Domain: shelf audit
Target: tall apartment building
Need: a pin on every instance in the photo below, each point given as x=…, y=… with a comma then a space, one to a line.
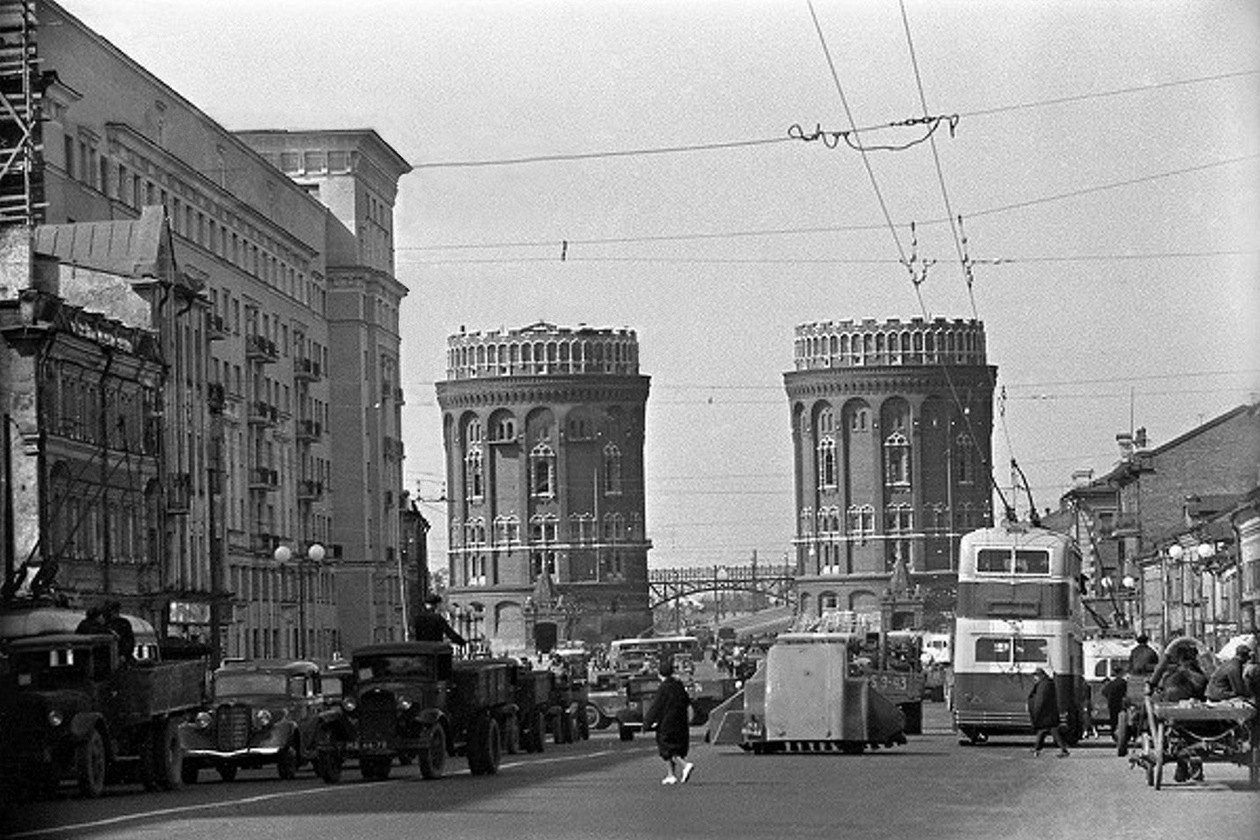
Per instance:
x=543, y=429
x=891, y=440
x=280, y=433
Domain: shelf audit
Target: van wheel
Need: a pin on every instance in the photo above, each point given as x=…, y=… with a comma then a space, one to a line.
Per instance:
x=89, y=759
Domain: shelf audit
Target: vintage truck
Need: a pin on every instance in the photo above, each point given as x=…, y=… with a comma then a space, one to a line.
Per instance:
x=261, y=712
x=413, y=700
x=72, y=708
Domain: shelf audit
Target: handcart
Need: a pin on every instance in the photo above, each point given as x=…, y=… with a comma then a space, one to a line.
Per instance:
x=1190, y=733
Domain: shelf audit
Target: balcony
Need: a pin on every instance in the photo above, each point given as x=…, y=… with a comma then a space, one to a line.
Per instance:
x=262, y=414
x=309, y=431
x=216, y=327
x=263, y=479
x=259, y=349
x=307, y=370
x=178, y=493
x=310, y=491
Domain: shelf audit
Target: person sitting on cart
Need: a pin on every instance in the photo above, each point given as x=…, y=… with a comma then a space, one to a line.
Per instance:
x=1143, y=658
x=1178, y=675
x=1227, y=680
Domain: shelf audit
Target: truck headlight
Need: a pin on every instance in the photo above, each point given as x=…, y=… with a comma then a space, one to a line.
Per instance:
x=348, y=704
x=262, y=717
x=55, y=718
x=403, y=704
x=204, y=720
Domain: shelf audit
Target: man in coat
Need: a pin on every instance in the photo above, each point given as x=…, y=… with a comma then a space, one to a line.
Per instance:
x=1043, y=712
x=670, y=716
x=1143, y=658
x=431, y=626
x=1227, y=680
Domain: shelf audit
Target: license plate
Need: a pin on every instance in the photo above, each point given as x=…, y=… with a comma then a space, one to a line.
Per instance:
x=369, y=746
x=886, y=683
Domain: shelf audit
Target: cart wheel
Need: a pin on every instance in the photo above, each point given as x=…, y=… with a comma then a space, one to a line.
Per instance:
x=1122, y=734
x=1254, y=775
x=1148, y=756
x=1160, y=737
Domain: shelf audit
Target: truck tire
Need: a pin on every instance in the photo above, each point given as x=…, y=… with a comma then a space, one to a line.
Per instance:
x=287, y=763
x=227, y=772
x=484, y=754
x=537, y=737
x=433, y=757
x=511, y=735
x=563, y=728
x=594, y=717
x=168, y=755
x=913, y=712
x=328, y=763
x=624, y=732
x=189, y=772
x=89, y=762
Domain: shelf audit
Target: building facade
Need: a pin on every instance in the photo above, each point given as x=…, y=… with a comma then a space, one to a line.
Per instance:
x=295, y=279
x=891, y=429
x=543, y=429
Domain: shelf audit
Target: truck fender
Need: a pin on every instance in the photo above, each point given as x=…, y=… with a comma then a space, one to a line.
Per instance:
x=83, y=723
x=334, y=726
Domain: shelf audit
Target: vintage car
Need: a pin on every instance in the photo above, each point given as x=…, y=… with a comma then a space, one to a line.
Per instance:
x=261, y=712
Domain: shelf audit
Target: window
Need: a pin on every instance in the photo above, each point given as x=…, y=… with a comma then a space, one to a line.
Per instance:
x=542, y=470
x=1020, y=561
x=826, y=463
x=861, y=521
x=964, y=459
x=897, y=460
x=612, y=470
x=582, y=527
x=474, y=474
x=544, y=528
x=1011, y=650
x=614, y=527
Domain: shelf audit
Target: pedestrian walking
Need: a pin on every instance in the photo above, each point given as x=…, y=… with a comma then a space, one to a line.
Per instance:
x=1043, y=712
x=670, y=716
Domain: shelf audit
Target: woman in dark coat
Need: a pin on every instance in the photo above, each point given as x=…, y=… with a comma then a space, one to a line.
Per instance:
x=670, y=716
x=1043, y=712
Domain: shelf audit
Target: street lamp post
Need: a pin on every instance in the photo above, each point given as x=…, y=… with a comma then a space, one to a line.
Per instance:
x=315, y=555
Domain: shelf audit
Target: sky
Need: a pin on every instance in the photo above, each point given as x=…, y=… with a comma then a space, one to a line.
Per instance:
x=1104, y=158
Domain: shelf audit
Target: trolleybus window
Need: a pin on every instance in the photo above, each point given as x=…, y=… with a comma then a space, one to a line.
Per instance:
x=1026, y=561
x=1009, y=650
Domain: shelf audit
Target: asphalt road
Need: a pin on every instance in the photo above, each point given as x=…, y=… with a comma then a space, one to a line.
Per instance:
x=603, y=788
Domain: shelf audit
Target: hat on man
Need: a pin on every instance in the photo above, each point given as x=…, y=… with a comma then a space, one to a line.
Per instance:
x=1243, y=652
x=433, y=598
x=666, y=667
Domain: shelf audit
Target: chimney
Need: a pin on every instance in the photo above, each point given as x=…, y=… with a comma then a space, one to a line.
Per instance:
x=1139, y=440
x=1125, y=442
x=1082, y=478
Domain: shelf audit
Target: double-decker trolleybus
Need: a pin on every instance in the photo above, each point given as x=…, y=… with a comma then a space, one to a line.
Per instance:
x=1019, y=609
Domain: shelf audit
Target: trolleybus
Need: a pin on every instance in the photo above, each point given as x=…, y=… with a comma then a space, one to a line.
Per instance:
x=1019, y=609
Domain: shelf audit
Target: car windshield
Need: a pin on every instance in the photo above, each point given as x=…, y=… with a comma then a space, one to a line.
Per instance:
x=385, y=667
x=249, y=682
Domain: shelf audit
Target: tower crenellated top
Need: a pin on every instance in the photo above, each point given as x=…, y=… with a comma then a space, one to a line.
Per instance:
x=871, y=343
x=542, y=349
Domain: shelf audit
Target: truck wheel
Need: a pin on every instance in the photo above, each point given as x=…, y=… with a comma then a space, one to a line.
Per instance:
x=188, y=773
x=433, y=757
x=168, y=755
x=89, y=760
x=511, y=735
x=327, y=766
x=287, y=762
x=914, y=717
x=484, y=755
x=562, y=729
x=537, y=737
x=624, y=732
x=594, y=717
x=227, y=772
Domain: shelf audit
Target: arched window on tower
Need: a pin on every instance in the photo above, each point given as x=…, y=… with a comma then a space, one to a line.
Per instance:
x=612, y=470
x=542, y=471
x=964, y=459
x=827, y=463
x=474, y=475
x=897, y=460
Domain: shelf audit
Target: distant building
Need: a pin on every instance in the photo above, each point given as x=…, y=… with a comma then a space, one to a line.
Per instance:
x=891, y=429
x=543, y=428
x=280, y=416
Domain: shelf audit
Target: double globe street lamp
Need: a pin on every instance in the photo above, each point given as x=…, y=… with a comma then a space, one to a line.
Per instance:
x=314, y=555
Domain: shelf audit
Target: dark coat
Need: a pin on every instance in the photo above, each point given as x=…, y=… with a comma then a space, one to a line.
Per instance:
x=670, y=712
x=431, y=627
x=1227, y=681
x=1043, y=704
x=1143, y=659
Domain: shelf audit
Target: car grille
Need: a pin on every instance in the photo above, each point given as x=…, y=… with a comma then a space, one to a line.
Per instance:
x=377, y=715
x=232, y=727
